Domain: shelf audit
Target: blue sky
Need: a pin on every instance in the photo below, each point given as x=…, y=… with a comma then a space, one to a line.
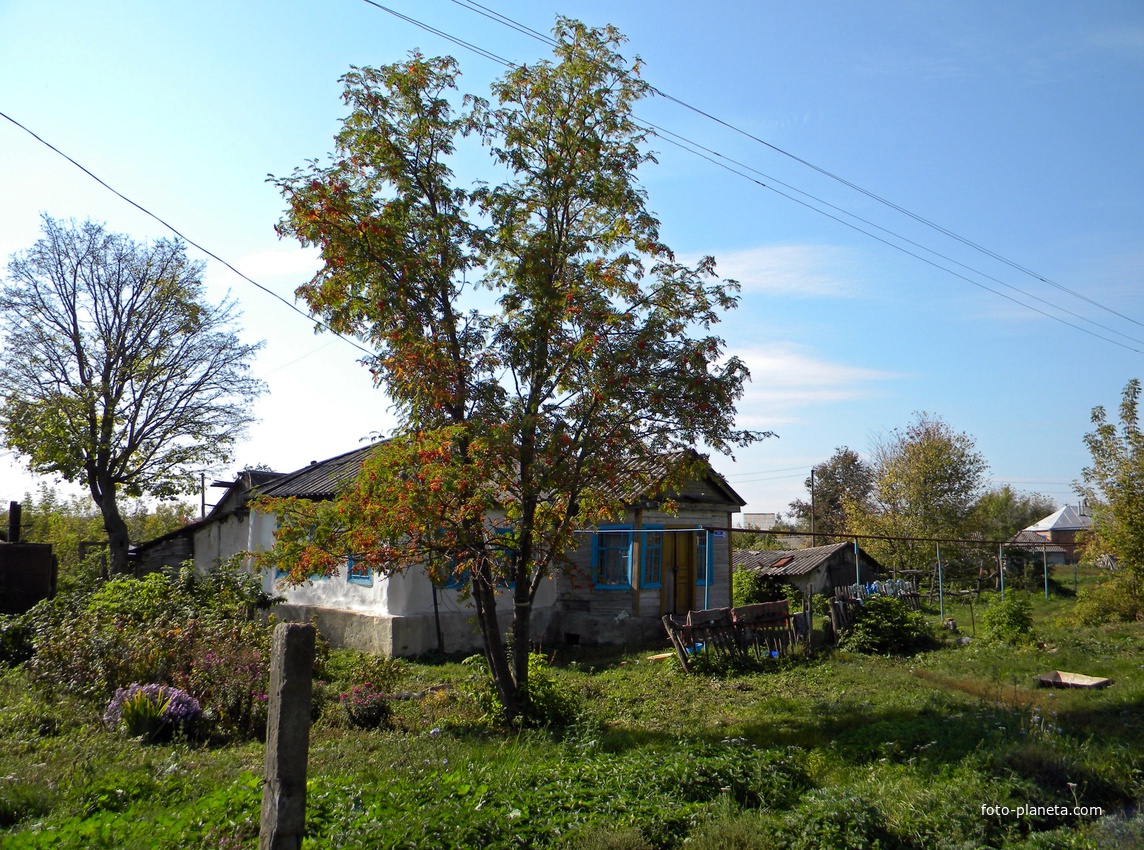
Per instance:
x=1016, y=126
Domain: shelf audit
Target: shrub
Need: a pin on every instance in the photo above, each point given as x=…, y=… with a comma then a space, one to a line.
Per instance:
x=229, y=673
x=366, y=706
x=885, y=625
x=200, y=633
x=151, y=711
x=1119, y=598
x=16, y=644
x=1008, y=620
x=547, y=702
x=827, y=818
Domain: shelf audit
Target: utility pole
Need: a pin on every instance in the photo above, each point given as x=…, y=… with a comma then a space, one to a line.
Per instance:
x=813, y=509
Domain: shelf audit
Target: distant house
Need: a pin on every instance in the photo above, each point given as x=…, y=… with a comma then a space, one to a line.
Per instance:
x=1038, y=547
x=1062, y=529
x=817, y=569
x=625, y=576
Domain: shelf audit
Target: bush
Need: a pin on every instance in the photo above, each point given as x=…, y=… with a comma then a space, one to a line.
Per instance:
x=366, y=706
x=885, y=625
x=547, y=702
x=16, y=644
x=1008, y=620
x=202, y=634
x=229, y=673
x=1117, y=599
x=151, y=712
x=827, y=818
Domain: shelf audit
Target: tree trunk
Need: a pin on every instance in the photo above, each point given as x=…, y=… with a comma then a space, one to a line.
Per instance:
x=118, y=540
x=496, y=653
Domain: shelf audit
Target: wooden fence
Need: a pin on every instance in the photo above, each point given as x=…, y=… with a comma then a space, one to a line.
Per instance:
x=760, y=631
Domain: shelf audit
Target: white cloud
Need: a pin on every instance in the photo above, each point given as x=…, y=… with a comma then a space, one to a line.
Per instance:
x=787, y=378
x=803, y=270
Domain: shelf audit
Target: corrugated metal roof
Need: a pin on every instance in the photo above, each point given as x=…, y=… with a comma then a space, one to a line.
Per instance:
x=1068, y=518
x=321, y=479
x=778, y=562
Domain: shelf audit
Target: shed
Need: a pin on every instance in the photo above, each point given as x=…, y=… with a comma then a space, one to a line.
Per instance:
x=817, y=569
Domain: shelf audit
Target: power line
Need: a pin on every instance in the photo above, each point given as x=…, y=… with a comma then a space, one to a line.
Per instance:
x=504, y=20
x=905, y=251
x=683, y=142
x=180, y=235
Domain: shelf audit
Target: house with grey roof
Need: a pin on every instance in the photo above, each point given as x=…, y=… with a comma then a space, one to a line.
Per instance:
x=623, y=576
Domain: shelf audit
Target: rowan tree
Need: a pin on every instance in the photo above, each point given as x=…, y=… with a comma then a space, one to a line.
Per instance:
x=547, y=354
x=117, y=373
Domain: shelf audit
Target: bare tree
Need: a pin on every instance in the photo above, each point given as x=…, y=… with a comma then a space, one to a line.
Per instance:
x=117, y=373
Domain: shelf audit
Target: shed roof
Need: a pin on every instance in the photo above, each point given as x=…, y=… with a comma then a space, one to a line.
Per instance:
x=797, y=562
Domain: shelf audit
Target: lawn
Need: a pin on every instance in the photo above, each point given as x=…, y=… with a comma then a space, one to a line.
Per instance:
x=952, y=748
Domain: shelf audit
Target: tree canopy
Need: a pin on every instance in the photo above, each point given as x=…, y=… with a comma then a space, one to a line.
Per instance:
x=547, y=354
x=838, y=485
x=1114, y=483
x=1001, y=512
x=118, y=374
x=70, y=522
x=927, y=480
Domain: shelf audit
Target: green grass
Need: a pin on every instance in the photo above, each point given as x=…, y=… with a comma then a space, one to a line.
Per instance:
x=841, y=750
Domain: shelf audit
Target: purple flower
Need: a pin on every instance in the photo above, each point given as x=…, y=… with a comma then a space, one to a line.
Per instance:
x=169, y=705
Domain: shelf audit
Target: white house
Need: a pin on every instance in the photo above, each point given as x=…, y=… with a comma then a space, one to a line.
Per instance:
x=625, y=576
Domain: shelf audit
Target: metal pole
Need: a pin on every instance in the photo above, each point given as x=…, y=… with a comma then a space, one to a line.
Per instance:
x=1001, y=570
x=707, y=557
x=940, y=593
x=813, y=539
x=1045, y=558
x=857, y=565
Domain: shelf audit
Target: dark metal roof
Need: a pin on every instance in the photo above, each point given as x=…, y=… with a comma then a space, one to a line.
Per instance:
x=321, y=479
x=797, y=562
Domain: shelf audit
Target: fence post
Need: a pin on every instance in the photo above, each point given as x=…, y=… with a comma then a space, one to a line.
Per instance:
x=287, y=738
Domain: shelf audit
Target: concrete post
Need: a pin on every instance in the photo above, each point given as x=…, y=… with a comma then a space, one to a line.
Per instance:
x=287, y=738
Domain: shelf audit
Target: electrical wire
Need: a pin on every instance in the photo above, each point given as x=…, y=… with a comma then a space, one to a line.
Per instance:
x=903, y=250
x=183, y=237
x=515, y=25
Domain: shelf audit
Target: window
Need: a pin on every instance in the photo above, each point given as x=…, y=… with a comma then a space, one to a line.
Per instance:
x=612, y=557
x=358, y=572
x=651, y=556
x=704, y=559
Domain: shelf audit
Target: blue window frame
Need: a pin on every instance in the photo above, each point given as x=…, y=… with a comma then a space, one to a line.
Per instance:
x=358, y=572
x=704, y=558
x=612, y=557
x=651, y=556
